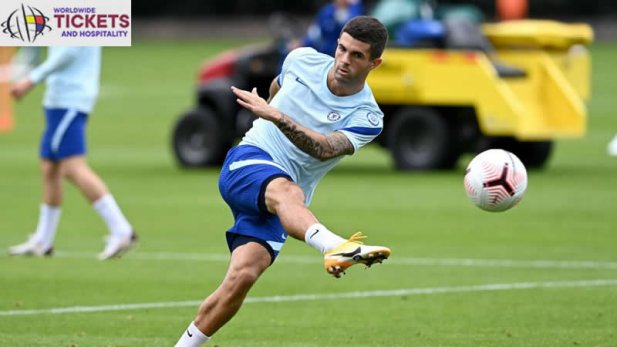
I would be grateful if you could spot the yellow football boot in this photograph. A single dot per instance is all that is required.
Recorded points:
(351, 252)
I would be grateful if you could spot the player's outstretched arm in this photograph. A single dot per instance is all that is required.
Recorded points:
(317, 145)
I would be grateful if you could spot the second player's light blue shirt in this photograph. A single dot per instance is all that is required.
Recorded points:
(305, 97)
(72, 75)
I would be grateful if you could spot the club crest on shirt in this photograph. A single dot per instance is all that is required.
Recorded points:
(333, 116)
(372, 118)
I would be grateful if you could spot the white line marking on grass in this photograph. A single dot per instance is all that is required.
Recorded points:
(297, 259)
(336, 296)
(540, 264)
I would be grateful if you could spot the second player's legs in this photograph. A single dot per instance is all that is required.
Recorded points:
(52, 183)
(77, 171)
(121, 235)
(41, 242)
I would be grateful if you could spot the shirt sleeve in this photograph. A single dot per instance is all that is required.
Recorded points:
(364, 126)
(54, 62)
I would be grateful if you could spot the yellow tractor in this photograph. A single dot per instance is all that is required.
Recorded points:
(517, 85)
(447, 87)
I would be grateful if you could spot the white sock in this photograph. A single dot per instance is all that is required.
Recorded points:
(192, 337)
(109, 210)
(322, 239)
(49, 216)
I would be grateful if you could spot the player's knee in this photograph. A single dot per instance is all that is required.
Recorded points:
(283, 192)
(293, 192)
(51, 174)
(68, 173)
(73, 168)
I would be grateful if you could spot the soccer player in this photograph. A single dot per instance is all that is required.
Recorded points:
(319, 110)
(72, 77)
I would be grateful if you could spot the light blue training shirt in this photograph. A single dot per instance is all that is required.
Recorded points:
(72, 75)
(305, 97)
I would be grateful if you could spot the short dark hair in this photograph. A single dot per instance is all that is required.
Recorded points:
(368, 30)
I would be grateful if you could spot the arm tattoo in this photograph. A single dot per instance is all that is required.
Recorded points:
(332, 145)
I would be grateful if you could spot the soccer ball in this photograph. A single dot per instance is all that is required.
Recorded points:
(495, 180)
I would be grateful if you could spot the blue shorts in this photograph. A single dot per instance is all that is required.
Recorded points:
(246, 172)
(64, 135)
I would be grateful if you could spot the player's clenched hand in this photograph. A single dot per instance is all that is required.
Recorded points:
(256, 104)
(21, 88)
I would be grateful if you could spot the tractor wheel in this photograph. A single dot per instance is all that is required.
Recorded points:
(534, 154)
(422, 139)
(198, 139)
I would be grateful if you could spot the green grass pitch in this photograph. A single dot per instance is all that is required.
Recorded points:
(542, 274)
